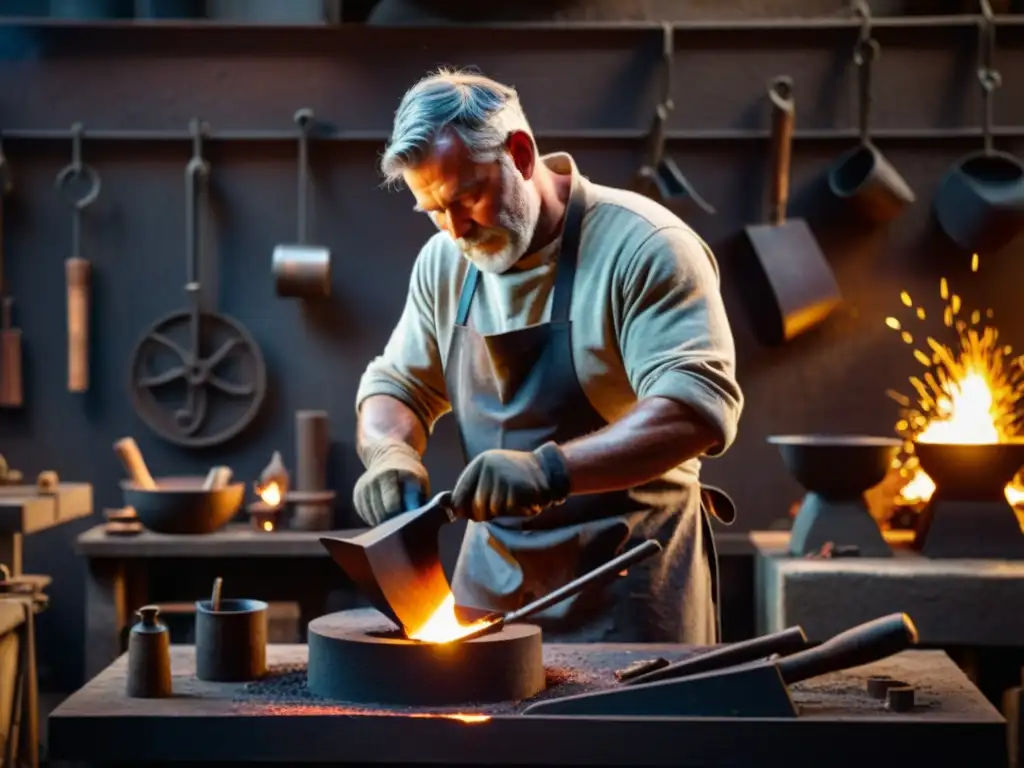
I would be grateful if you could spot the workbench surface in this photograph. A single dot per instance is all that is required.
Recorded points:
(277, 719)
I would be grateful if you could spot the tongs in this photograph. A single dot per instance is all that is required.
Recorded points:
(496, 621)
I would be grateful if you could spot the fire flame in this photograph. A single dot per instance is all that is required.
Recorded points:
(270, 494)
(971, 396)
(443, 626)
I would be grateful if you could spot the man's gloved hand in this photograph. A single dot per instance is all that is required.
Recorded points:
(504, 483)
(392, 468)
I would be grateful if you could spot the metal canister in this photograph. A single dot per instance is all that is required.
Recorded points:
(231, 640)
(149, 656)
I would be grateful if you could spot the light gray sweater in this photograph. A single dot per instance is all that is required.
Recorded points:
(647, 315)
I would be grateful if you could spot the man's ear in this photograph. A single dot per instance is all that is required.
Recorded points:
(520, 147)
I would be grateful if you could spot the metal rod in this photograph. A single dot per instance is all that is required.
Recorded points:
(598, 134)
(698, 26)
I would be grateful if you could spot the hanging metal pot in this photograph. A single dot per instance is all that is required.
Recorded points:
(862, 177)
(980, 202)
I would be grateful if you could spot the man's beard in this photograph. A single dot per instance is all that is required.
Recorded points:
(517, 222)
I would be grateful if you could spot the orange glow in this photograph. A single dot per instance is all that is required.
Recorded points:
(443, 626)
(468, 719)
(270, 494)
(268, 525)
(298, 710)
(969, 396)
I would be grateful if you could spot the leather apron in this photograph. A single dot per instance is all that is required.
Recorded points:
(517, 390)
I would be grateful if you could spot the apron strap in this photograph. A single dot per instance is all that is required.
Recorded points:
(711, 553)
(466, 296)
(566, 270)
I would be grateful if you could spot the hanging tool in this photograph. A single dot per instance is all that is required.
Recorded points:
(661, 174)
(301, 270)
(186, 333)
(863, 177)
(759, 689)
(980, 202)
(76, 269)
(802, 291)
(11, 390)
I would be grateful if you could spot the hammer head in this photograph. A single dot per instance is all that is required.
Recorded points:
(397, 564)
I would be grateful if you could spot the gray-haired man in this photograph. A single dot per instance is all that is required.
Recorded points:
(578, 335)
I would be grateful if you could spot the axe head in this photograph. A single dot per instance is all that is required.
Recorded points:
(397, 564)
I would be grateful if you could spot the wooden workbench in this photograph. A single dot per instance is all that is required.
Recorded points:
(839, 724)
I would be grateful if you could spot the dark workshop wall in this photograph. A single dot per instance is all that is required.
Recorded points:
(590, 91)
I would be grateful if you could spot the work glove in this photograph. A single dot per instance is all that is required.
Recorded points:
(395, 481)
(501, 483)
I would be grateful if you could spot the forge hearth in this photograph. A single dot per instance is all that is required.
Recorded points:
(360, 656)
(836, 470)
(969, 515)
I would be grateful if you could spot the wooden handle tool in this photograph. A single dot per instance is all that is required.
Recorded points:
(77, 274)
(11, 394)
(131, 458)
(218, 477)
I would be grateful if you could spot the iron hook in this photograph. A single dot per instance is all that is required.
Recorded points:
(862, 11)
(304, 119)
(988, 76)
(197, 166)
(75, 170)
(667, 61)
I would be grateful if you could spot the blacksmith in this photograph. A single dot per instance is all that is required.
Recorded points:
(578, 335)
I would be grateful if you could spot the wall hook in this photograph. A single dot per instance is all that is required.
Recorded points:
(660, 172)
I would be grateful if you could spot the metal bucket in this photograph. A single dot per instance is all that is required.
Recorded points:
(980, 202)
(862, 177)
(231, 642)
(300, 270)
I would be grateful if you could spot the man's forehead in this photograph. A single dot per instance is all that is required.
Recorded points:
(448, 167)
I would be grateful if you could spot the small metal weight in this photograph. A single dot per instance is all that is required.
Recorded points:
(149, 656)
(231, 640)
(300, 270)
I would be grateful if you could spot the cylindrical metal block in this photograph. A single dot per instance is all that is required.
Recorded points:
(312, 444)
(302, 271)
(231, 643)
(358, 656)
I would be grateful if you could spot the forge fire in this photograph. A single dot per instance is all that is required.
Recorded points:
(970, 392)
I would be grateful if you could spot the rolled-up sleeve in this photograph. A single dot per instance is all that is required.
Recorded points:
(674, 334)
(410, 368)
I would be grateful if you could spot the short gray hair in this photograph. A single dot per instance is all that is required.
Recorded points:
(481, 111)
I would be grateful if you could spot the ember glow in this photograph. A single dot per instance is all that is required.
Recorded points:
(443, 626)
(971, 395)
(270, 494)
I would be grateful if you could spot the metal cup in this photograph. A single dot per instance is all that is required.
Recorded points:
(980, 202)
(870, 184)
(231, 642)
(302, 271)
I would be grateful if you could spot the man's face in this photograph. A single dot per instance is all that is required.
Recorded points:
(490, 209)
